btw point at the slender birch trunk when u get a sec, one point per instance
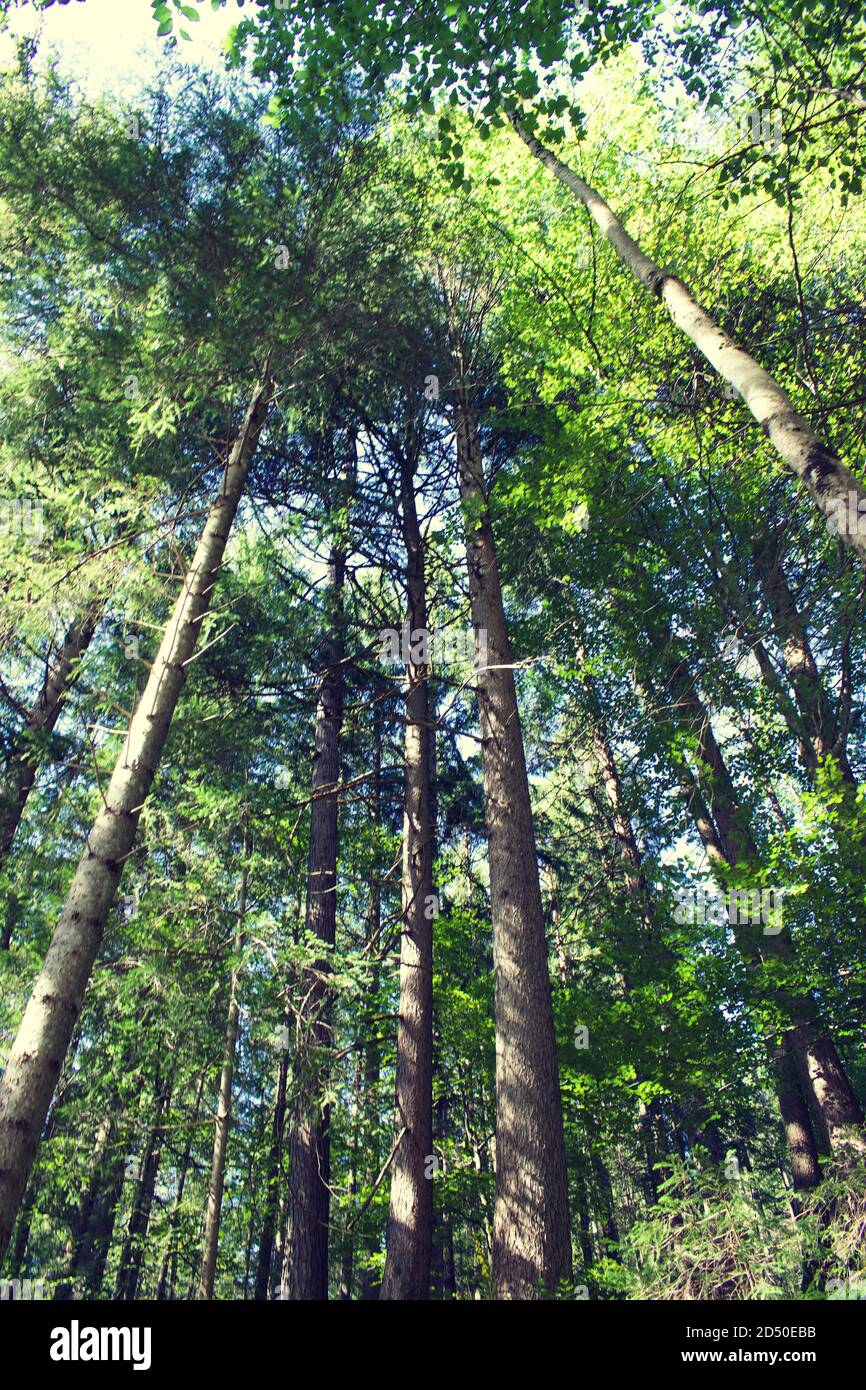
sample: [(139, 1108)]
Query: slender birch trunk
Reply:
[(531, 1240), (840, 496), (305, 1262), (46, 1028), (224, 1103), (410, 1217), (60, 675)]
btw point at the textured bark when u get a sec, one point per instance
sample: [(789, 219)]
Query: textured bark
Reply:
[(834, 487), (840, 1112), (132, 1254), (531, 1240), (410, 1217), (40, 1046), (93, 1255), (20, 773), (224, 1103), (305, 1264), (800, 664), (265, 1262)]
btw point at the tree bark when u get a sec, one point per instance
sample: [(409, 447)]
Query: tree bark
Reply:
[(20, 772), (305, 1264), (40, 1046), (84, 1214), (224, 1103), (93, 1255), (265, 1263), (835, 489), (370, 1281), (410, 1218), (132, 1254), (800, 664), (531, 1240)]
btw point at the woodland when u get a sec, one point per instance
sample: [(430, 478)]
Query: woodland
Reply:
[(432, 656)]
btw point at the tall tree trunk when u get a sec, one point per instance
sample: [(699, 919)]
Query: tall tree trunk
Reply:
[(837, 492), (831, 1089), (92, 1256), (784, 1057), (531, 1239), (265, 1263), (20, 772), (730, 845), (40, 1046), (84, 1215), (410, 1218), (369, 1279), (132, 1254), (800, 664), (839, 1113), (166, 1281), (224, 1103), (305, 1264)]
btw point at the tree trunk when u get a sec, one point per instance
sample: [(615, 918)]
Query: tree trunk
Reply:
[(132, 1254), (838, 494), (410, 1218), (20, 773), (224, 1103), (265, 1262), (800, 664), (93, 1254), (43, 1037), (369, 1279), (166, 1280), (84, 1216), (531, 1240), (305, 1264), (729, 844)]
